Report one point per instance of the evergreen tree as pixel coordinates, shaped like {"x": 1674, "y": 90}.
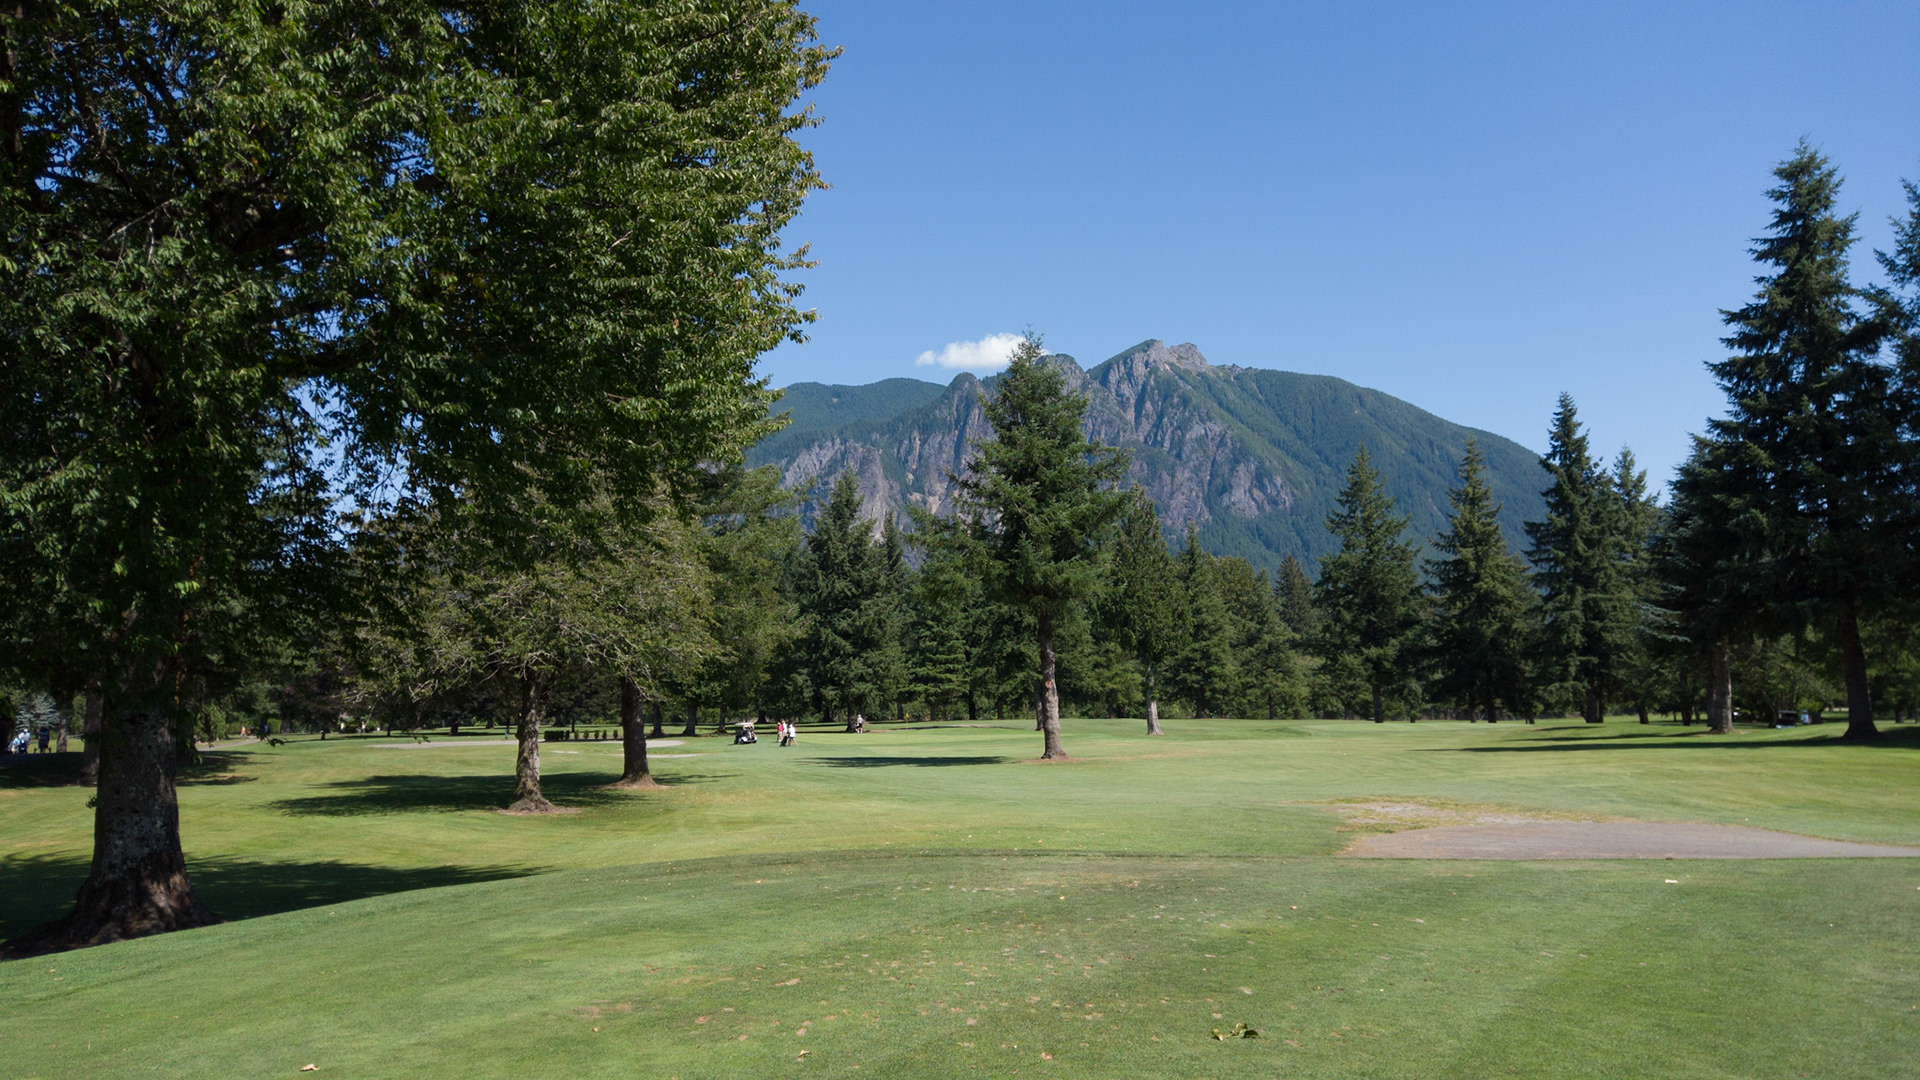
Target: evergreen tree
{"x": 1578, "y": 564}
{"x": 1638, "y": 519}
{"x": 1813, "y": 424}
{"x": 1704, "y": 564}
{"x": 1037, "y": 506}
{"x": 1293, "y": 596}
{"x": 1202, "y": 667}
{"x": 841, "y": 589}
{"x": 1145, "y": 597}
{"x": 1480, "y": 593}
{"x": 1368, "y": 593}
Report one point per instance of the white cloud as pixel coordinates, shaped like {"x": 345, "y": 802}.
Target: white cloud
{"x": 990, "y": 353}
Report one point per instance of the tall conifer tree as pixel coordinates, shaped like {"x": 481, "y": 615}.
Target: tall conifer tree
{"x": 1577, "y": 563}
{"x": 1480, "y": 592}
{"x": 1202, "y": 667}
{"x": 1811, "y": 421}
{"x": 1368, "y": 593}
{"x": 1147, "y": 597}
{"x": 1038, "y": 504}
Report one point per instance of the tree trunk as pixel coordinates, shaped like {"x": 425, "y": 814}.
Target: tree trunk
{"x": 63, "y": 708}
{"x": 1153, "y": 705}
{"x": 138, "y": 884}
{"x": 659, "y": 720}
{"x": 1049, "y": 694}
{"x": 1379, "y": 707}
{"x": 1853, "y": 665}
{"x": 1644, "y": 718}
{"x": 526, "y": 768}
{"x": 90, "y": 737}
{"x": 693, "y": 722}
{"x": 1720, "y": 690}
{"x": 720, "y": 725}
{"x": 633, "y": 733}
{"x": 1594, "y": 708}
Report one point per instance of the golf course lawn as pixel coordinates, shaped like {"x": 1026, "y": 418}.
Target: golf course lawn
{"x": 920, "y": 901}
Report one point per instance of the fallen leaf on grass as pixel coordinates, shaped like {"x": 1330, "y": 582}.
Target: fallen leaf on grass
{"x": 802, "y": 1054}
{"x": 1238, "y": 1031}
{"x": 309, "y": 1068}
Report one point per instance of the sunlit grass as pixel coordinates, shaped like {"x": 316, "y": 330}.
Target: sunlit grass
{"x": 879, "y": 892}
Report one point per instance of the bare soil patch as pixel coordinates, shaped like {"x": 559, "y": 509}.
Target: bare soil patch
{"x": 1610, "y": 840}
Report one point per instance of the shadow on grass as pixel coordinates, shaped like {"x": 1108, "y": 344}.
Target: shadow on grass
{"x": 1906, "y": 736}
{"x": 40, "y": 888}
{"x": 881, "y": 762}
{"x": 39, "y": 770}
{"x": 412, "y": 793}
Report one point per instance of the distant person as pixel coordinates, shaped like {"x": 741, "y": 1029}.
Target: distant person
{"x": 46, "y": 737}
{"x": 19, "y": 743}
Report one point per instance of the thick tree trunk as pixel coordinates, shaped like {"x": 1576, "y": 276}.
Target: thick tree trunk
{"x": 1594, "y": 708}
{"x": 633, "y": 734}
{"x": 1049, "y": 694}
{"x": 693, "y": 722}
{"x": 659, "y": 721}
{"x": 1720, "y": 690}
{"x": 138, "y": 884}
{"x": 1644, "y": 718}
{"x": 1153, "y": 705}
{"x": 90, "y": 737}
{"x": 1853, "y": 665}
{"x": 526, "y": 768}
{"x": 1379, "y": 706}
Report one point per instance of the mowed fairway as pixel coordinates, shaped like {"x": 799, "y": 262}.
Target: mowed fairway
{"x": 926, "y": 902}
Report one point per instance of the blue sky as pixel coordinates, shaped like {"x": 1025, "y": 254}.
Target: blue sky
{"x": 1471, "y": 206}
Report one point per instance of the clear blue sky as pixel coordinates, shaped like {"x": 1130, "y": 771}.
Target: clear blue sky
{"x": 1471, "y": 206}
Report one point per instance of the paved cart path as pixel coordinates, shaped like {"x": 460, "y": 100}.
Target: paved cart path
{"x": 1612, "y": 840}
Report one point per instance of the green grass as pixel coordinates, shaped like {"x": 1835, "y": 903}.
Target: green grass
{"x": 925, "y": 902}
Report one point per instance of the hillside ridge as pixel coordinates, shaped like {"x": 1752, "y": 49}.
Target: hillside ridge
{"x": 1253, "y": 458}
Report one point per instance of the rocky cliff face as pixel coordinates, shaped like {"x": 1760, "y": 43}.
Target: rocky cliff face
{"x": 1251, "y": 458}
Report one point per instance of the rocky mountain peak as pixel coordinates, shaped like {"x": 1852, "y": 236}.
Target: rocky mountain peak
{"x": 1252, "y": 458}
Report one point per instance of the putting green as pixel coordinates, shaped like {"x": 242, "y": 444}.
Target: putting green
{"x": 931, "y": 903}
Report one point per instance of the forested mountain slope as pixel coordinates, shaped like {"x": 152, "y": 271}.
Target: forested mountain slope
{"x": 1253, "y": 457}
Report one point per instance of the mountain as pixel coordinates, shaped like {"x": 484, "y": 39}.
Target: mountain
{"x": 1254, "y": 458}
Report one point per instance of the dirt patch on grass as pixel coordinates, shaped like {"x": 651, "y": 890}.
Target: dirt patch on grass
{"x": 1612, "y": 840}
{"x": 1391, "y": 815}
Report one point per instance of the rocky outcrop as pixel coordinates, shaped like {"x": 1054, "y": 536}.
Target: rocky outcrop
{"x": 1250, "y": 458}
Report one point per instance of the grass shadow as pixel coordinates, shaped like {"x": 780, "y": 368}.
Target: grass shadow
{"x": 39, "y": 770}
{"x": 886, "y": 761}
{"x": 40, "y": 888}
{"x": 413, "y": 793}
{"x": 1905, "y": 737}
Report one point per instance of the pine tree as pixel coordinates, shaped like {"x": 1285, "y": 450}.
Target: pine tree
{"x": 1146, "y": 597}
{"x": 1201, "y": 669}
{"x": 1638, "y": 517}
{"x": 1293, "y": 596}
{"x": 1368, "y": 593}
{"x": 1480, "y": 592}
{"x": 1814, "y": 424}
{"x": 841, "y": 590}
{"x": 1037, "y": 506}
{"x": 1577, "y": 556}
